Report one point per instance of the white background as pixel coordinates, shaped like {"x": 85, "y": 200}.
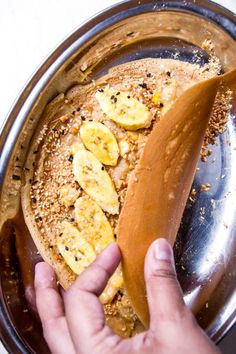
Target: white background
{"x": 31, "y": 29}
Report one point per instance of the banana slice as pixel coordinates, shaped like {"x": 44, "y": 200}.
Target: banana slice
{"x": 75, "y": 250}
{"x": 79, "y": 254}
{"x": 123, "y": 109}
{"x": 117, "y": 278}
{"x": 101, "y": 142}
{"x": 170, "y": 92}
{"x": 134, "y": 135}
{"x": 124, "y": 147}
{"x": 68, "y": 195}
{"x": 93, "y": 223}
{"x": 76, "y": 147}
{"x": 95, "y": 181}
{"x": 115, "y": 283}
{"x": 169, "y": 95}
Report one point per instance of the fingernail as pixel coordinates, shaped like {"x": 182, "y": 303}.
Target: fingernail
{"x": 163, "y": 250}
{"x": 44, "y": 275}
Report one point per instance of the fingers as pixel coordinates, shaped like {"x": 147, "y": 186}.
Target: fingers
{"x": 46, "y": 293}
{"x": 51, "y": 310}
{"x": 96, "y": 276}
{"x": 165, "y": 299}
{"x": 30, "y": 296}
{"x": 83, "y": 309}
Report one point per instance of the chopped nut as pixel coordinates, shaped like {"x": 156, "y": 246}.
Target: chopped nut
{"x": 64, "y": 118}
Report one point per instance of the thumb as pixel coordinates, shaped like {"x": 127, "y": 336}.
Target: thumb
{"x": 165, "y": 299}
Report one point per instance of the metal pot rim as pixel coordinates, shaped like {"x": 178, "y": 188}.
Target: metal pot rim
{"x": 13, "y": 123}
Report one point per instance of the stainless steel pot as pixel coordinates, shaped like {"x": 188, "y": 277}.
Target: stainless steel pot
{"x": 206, "y": 246}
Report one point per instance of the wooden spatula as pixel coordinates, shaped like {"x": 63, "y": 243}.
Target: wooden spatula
{"x": 160, "y": 186}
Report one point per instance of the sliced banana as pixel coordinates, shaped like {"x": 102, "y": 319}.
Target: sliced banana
{"x": 100, "y": 141}
{"x": 93, "y": 223}
{"x": 170, "y": 92}
{"x": 75, "y": 250}
{"x": 169, "y": 95}
{"x": 68, "y": 195}
{"x": 124, "y": 147}
{"x": 95, "y": 181}
{"x": 134, "y": 135}
{"x": 124, "y": 110}
{"x": 115, "y": 283}
{"x": 76, "y": 147}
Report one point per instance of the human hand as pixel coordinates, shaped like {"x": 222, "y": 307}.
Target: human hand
{"x": 75, "y": 323}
